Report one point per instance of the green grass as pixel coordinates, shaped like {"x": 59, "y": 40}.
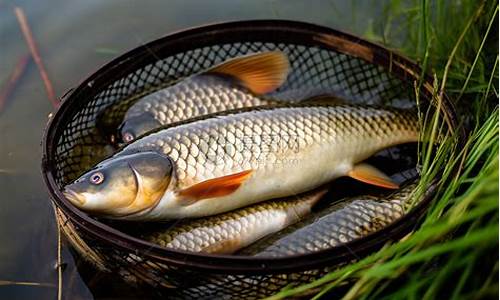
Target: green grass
{"x": 454, "y": 253}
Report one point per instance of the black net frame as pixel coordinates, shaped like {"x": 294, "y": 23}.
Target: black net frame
{"x": 361, "y": 71}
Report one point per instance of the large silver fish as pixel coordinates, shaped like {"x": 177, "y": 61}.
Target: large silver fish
{"x": 236, "y": 83}
{"x": 222, "y": 163}
{"x": 342, "y": 222}
{"x": 231, "y": 231}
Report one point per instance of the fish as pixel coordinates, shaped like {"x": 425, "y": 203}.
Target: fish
{"x": 221, "y": 163}
{"x": 236, "y": 83}
{"x": 341, "y": 222}
{"x": 231, "y": 231}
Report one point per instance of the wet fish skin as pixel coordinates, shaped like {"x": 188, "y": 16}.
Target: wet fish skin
{"x": 130, "y": 184}
{"x": 321, "y": 141}
{"x": 229, "y": 232}
{"x": 236, "y": 83}
{"x": 231, "y": 161}
{"x": 192, "y": 97}
{"x": 342, "y": 222}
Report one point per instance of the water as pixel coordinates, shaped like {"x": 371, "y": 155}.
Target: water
{"x": 75, "y": 38}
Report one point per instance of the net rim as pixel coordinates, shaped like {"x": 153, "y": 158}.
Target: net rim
{"x": 320, "y": 36}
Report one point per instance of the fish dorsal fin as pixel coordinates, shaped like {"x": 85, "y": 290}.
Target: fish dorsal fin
{"x": 371, "y": 175}
{"x": 261, "y": 73}
{"x": 216, "y": 187}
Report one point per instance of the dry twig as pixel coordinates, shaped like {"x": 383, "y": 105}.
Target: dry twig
{"x": 28, "y": 36}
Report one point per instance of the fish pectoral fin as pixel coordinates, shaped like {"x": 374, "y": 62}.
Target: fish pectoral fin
{"x": 217, "y": 187}
{"x": 260, "y": 73}
{"x": 224, "y": 247}
{"x": 371, "y": 175}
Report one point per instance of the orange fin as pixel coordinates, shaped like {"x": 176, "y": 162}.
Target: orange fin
{"x": 224, "y": 247}
{"x": 260, "y": 73}
{"x": 216, "y": 187}
{"x": 369, "y": 174}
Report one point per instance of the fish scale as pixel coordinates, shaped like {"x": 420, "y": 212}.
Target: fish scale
{"x": 320, "y": 141}
{"x": 238, "y": 82}
{"x": 212, "y": 94}
{"x": 337, "y": 224}
{"x": 226, "y": 233}
{"x": 320, "y": 124}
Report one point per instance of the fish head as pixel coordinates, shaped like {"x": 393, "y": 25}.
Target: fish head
{"x": 137, "y": 125}
{"x": 122, "y": 185}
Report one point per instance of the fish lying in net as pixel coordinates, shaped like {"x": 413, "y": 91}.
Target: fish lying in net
{"x": 231, "y": 231}
{"x": 218, "y": 164}
{"x": 341, "y": 222}
{"x": 236, "y": 83}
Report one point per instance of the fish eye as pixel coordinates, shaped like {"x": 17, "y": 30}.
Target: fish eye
{"x": 128, "y": 137}
{"x": 97, "y": 178}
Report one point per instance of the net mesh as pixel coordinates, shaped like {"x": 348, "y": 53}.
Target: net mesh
{"x": 314, "y": 70}
{"x": 81, "y": 142}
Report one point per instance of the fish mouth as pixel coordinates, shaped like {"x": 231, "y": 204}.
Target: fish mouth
{"x": 73, "y": 197}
